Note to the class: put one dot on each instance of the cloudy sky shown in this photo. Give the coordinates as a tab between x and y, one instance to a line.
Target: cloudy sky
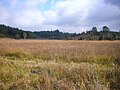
66	15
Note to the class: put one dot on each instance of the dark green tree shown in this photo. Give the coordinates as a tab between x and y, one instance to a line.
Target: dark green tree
17	36
24	35
94	29
106	29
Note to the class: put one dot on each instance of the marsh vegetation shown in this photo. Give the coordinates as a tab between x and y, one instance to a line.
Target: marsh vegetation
59	65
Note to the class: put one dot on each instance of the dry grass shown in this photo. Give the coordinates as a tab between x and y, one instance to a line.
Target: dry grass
59	65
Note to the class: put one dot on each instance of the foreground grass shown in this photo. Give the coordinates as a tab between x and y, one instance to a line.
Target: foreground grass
59	65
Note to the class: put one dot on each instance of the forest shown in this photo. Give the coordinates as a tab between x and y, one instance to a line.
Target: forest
93	34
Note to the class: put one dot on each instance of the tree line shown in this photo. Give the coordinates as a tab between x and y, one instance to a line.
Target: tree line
10	32
93	34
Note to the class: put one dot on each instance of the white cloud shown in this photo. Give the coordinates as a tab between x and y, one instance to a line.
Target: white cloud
34	3
84	14
28	18
50	17
4	15
71	12
68	15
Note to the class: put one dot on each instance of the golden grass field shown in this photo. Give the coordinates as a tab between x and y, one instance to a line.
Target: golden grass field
59	65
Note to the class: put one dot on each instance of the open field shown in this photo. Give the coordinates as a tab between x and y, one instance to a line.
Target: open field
59	65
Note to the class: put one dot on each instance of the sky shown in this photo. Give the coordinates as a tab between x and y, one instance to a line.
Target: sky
65	15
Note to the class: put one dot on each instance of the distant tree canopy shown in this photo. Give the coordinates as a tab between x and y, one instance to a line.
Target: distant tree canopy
24	35
49	34
9	32
106	29
94	29
17	36
93	34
